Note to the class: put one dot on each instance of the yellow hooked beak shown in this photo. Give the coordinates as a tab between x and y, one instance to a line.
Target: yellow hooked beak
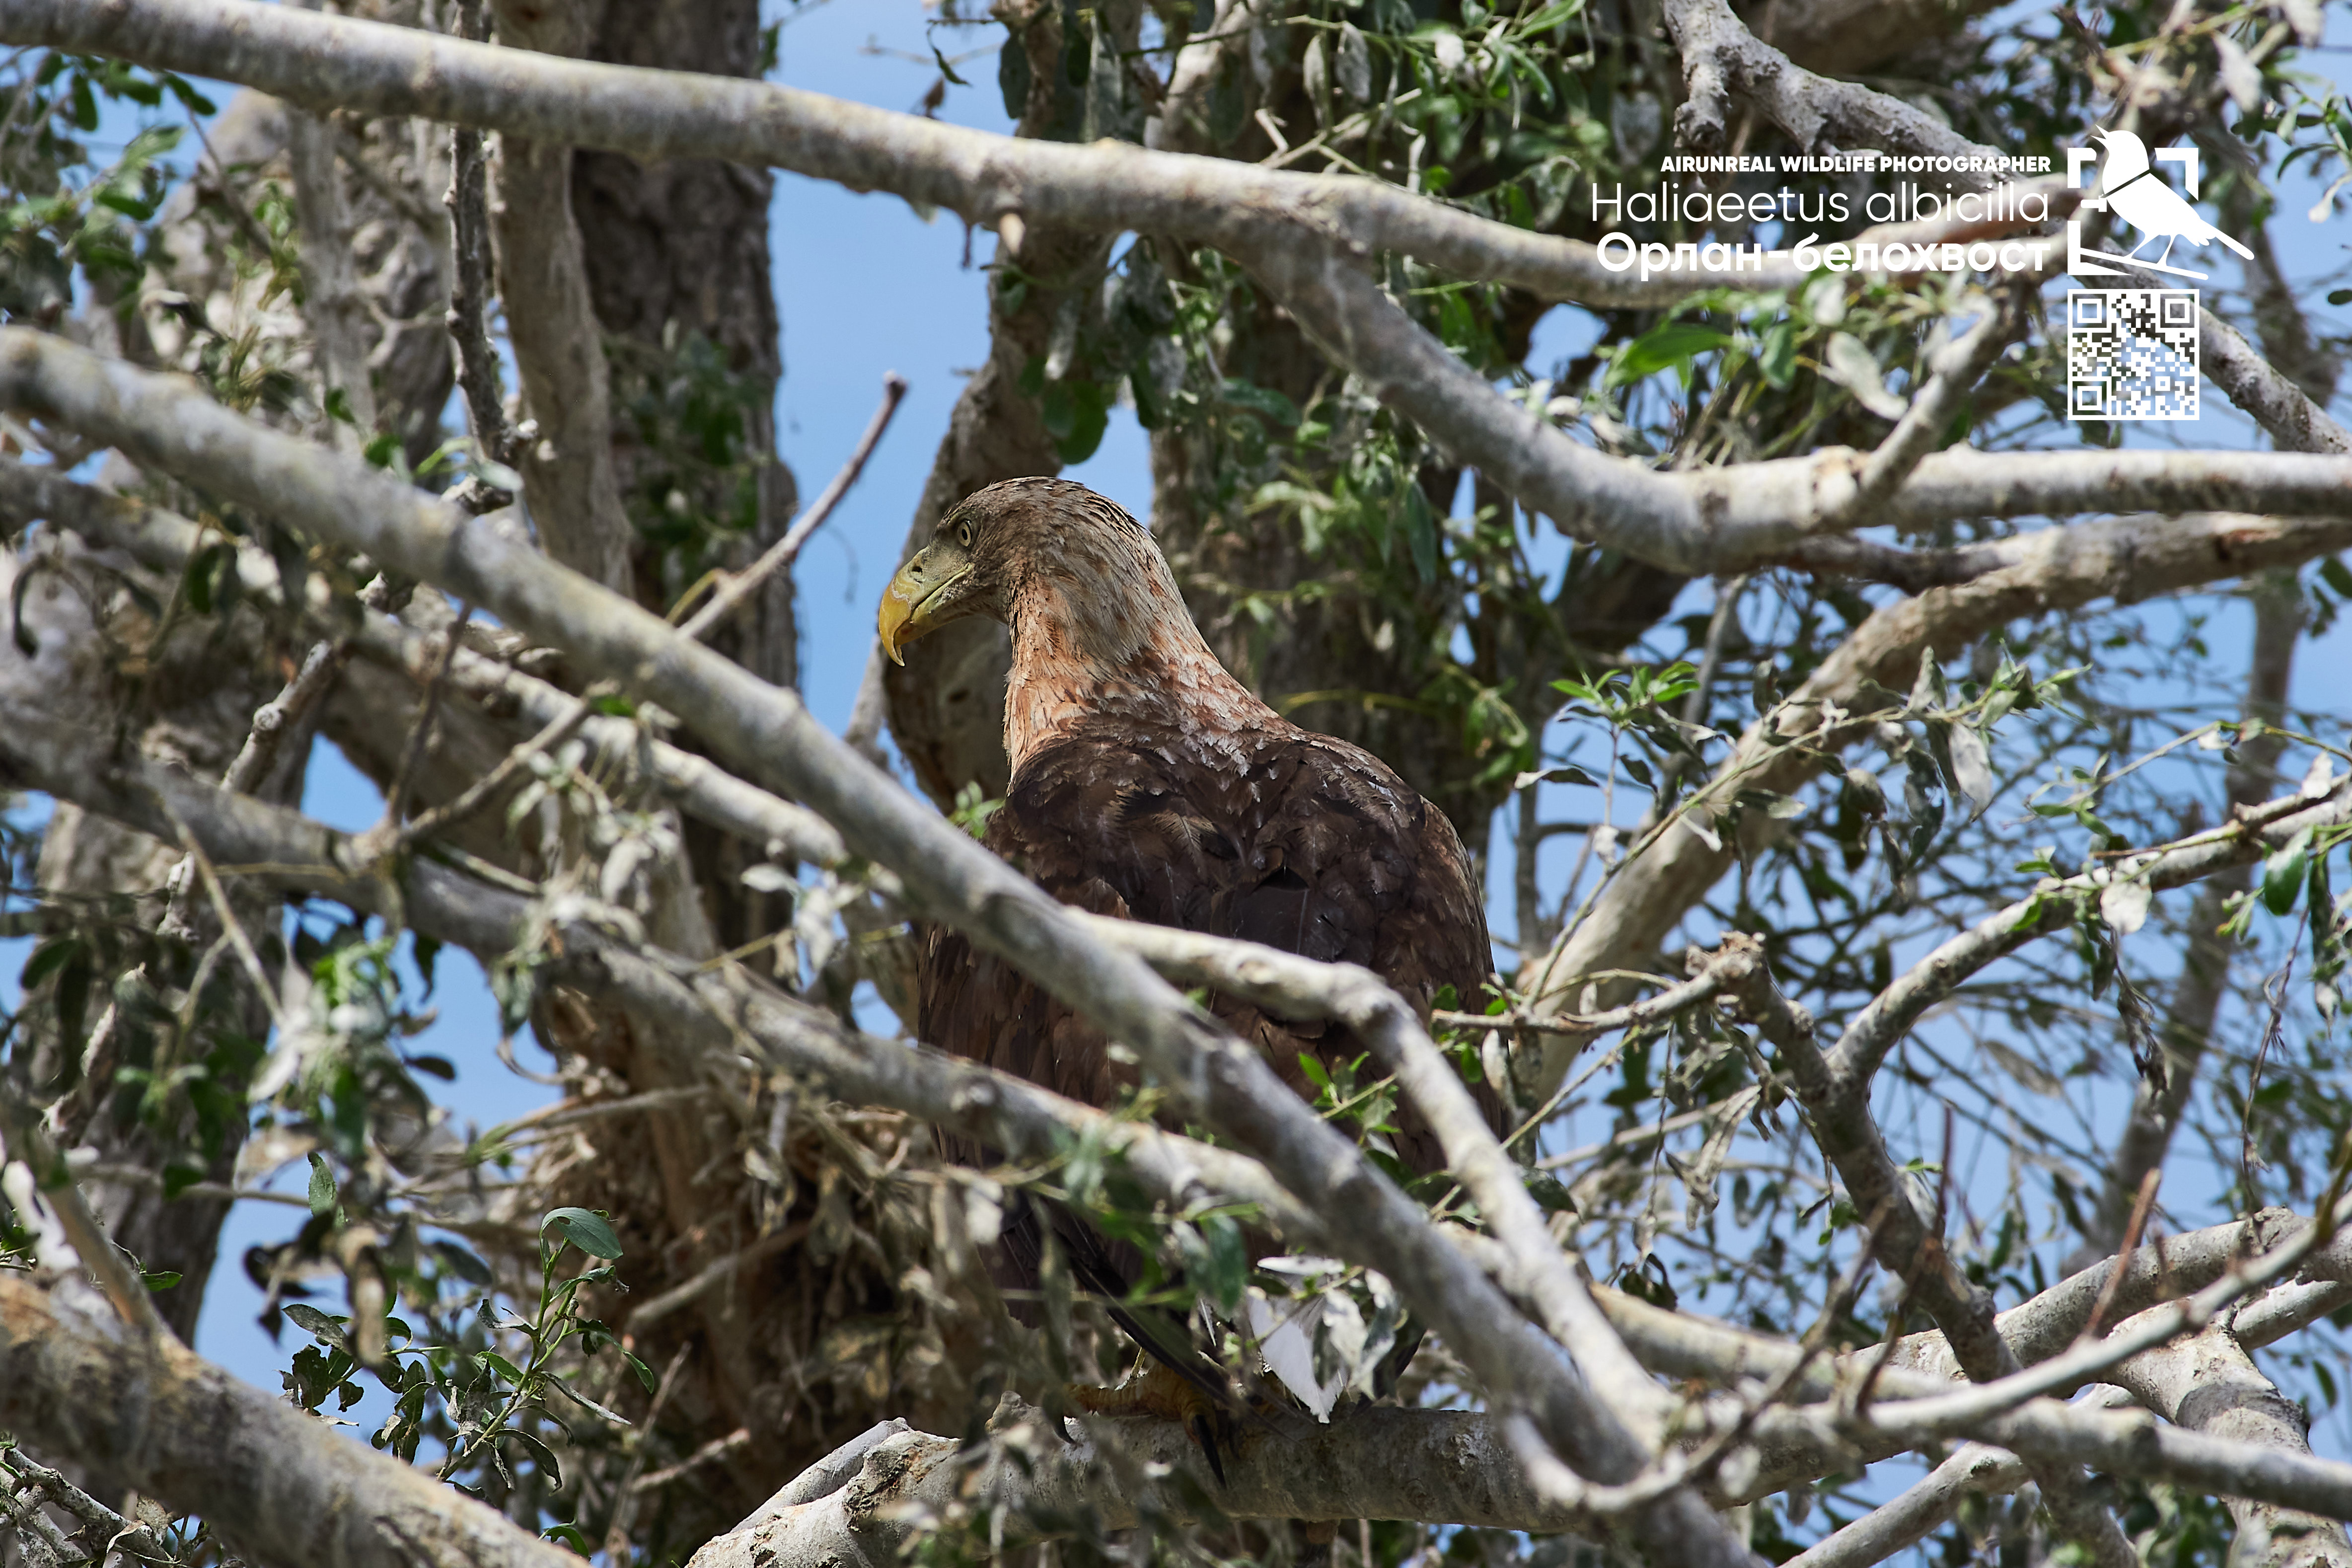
923	587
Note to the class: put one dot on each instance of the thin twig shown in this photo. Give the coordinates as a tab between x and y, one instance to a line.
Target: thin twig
231	927
124	1290
396	799
2114	1287
285	715
1921	430
733	590
719	1273
482	789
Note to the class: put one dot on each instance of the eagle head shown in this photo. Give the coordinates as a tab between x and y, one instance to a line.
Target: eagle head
1002	543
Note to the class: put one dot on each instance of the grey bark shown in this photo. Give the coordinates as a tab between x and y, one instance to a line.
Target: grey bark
2209	1384
274	1481
569	481
1305	235
769	734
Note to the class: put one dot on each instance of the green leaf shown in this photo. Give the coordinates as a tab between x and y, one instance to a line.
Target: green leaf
543	1454
1076	414
2282	874
463	1263
1549	1193
948	70
27	643
318	1325
426	951
1227	1274
1778	357
1567	773
159	1278
1671	345
2338	575
195	102
323	1187
590	1232
1420	532
47	958
1260	400
200	581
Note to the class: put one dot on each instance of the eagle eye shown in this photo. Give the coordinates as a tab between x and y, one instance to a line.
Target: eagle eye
964	534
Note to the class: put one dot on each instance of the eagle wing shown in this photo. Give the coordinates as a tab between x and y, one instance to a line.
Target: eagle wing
1286	838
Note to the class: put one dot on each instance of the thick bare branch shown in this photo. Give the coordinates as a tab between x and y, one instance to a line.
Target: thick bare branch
171	426
1793	1444
2254	385
336	63
166	542
1367	1464
1750	514
1722	59
1307	234
2209	1384
278	1485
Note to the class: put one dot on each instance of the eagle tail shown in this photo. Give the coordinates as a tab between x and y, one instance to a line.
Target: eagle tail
1205	1401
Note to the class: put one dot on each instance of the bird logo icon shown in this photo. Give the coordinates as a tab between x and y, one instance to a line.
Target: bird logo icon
2130	187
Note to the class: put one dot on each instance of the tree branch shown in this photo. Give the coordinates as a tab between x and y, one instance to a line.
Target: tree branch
171	426
2210	1384
1305	234
570	486
1373	1463
1909	1250
166	542
467	200
278	1485
736	587
2161	1096
2126	558
1798	1444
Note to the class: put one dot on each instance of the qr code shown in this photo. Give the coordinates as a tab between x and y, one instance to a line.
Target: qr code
2131	353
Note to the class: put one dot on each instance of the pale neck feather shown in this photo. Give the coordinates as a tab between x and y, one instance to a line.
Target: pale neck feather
1098	629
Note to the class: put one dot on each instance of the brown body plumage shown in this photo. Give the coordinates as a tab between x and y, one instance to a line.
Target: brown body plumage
1148	783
